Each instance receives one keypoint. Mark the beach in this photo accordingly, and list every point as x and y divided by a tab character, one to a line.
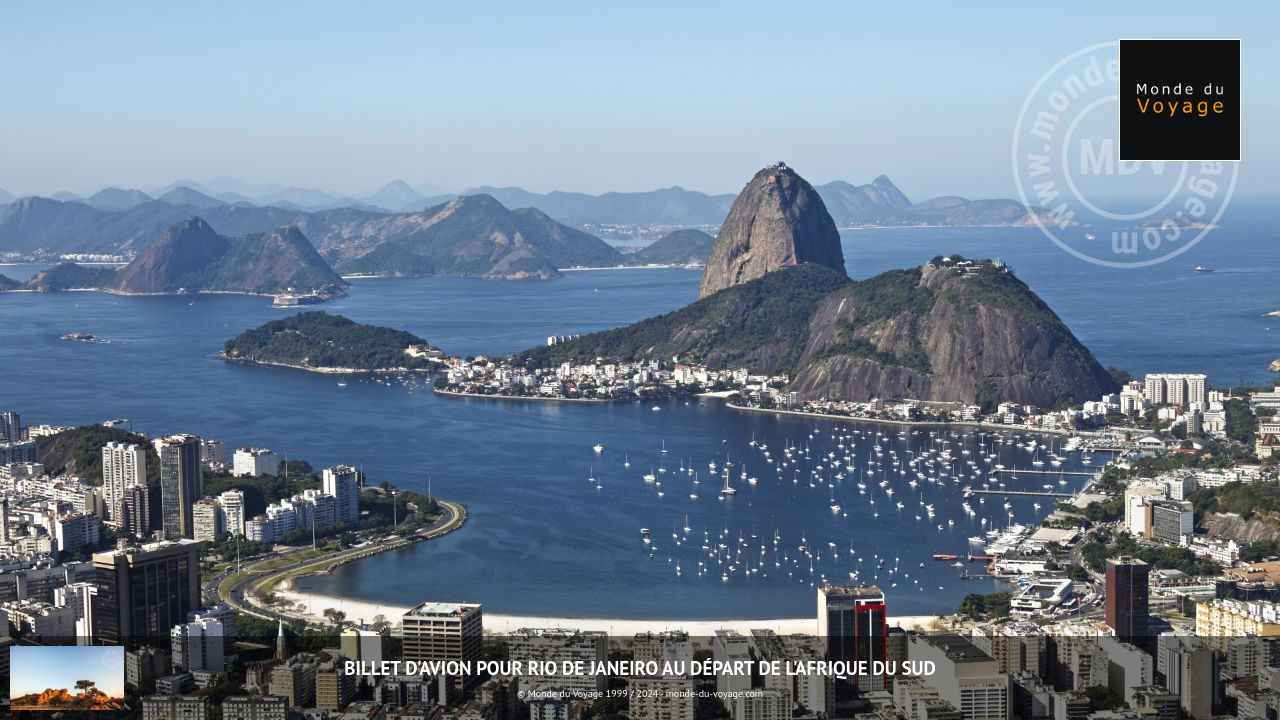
360	611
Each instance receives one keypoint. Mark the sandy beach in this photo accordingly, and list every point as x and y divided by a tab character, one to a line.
360	611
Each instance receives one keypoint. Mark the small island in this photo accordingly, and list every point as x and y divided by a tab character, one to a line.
85	337
319	342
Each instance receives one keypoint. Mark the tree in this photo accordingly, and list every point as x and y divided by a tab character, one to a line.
84	685
337	617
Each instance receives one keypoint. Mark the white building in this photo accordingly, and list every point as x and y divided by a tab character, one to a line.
252	462
199	645
231	502
342	482
206	517
1180	389
124	465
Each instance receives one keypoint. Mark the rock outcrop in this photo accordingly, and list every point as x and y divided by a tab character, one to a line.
777	221
191	257
958	330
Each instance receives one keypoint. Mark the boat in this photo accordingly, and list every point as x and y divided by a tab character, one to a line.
598	448
1202	268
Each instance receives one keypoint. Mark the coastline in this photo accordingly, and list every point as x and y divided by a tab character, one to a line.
363	611
918	423
539	398
322	370
651	266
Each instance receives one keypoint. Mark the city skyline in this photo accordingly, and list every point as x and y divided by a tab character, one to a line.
610	100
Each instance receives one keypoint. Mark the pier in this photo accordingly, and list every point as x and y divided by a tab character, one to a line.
1026	493
1055	473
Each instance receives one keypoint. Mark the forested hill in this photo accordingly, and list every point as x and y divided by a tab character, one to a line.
320	341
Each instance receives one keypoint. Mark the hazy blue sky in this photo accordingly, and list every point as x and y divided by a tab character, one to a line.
35	669
589	96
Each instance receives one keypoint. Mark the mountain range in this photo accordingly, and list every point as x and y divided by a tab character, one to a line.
877	203
472	235
191	257
775	298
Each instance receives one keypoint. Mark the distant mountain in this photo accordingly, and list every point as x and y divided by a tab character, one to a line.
300	198
64	196
882	203
117	199
778	220
387	259
475	235
396	196
7	284
852	203
668	206
954	330
70	276
33	224
681	247
185	196
190	256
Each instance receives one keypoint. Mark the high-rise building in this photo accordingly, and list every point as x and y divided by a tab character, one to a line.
206	519
1127	611
854	623
529	645
181	483
1173	521
135	510
175	707
231	502
295	680
767	704
199	645
11	426
124	465
144	591
254	707
252	462
967	678
341	481
1181	389
443	631
334	688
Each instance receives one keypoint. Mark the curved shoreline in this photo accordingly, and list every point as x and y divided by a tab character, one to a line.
240	594
539	398
321	370
919	423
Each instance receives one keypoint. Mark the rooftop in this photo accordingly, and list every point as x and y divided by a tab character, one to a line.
443	609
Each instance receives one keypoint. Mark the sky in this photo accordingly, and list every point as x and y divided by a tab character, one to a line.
589	97
34	669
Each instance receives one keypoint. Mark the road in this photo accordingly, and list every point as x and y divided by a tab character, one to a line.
236	595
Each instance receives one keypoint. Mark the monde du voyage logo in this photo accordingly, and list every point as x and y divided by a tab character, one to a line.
1124	152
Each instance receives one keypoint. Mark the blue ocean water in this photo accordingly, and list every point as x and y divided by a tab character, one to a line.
542	539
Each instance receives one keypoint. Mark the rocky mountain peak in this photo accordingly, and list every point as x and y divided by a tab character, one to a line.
777	221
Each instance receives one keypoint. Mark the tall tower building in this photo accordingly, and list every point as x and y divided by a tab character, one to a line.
142	592
181	483
444	631
232	504
10	426
853	622
124	465
340	481
1127	611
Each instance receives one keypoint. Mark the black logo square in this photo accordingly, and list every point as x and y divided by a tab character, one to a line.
1179	99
